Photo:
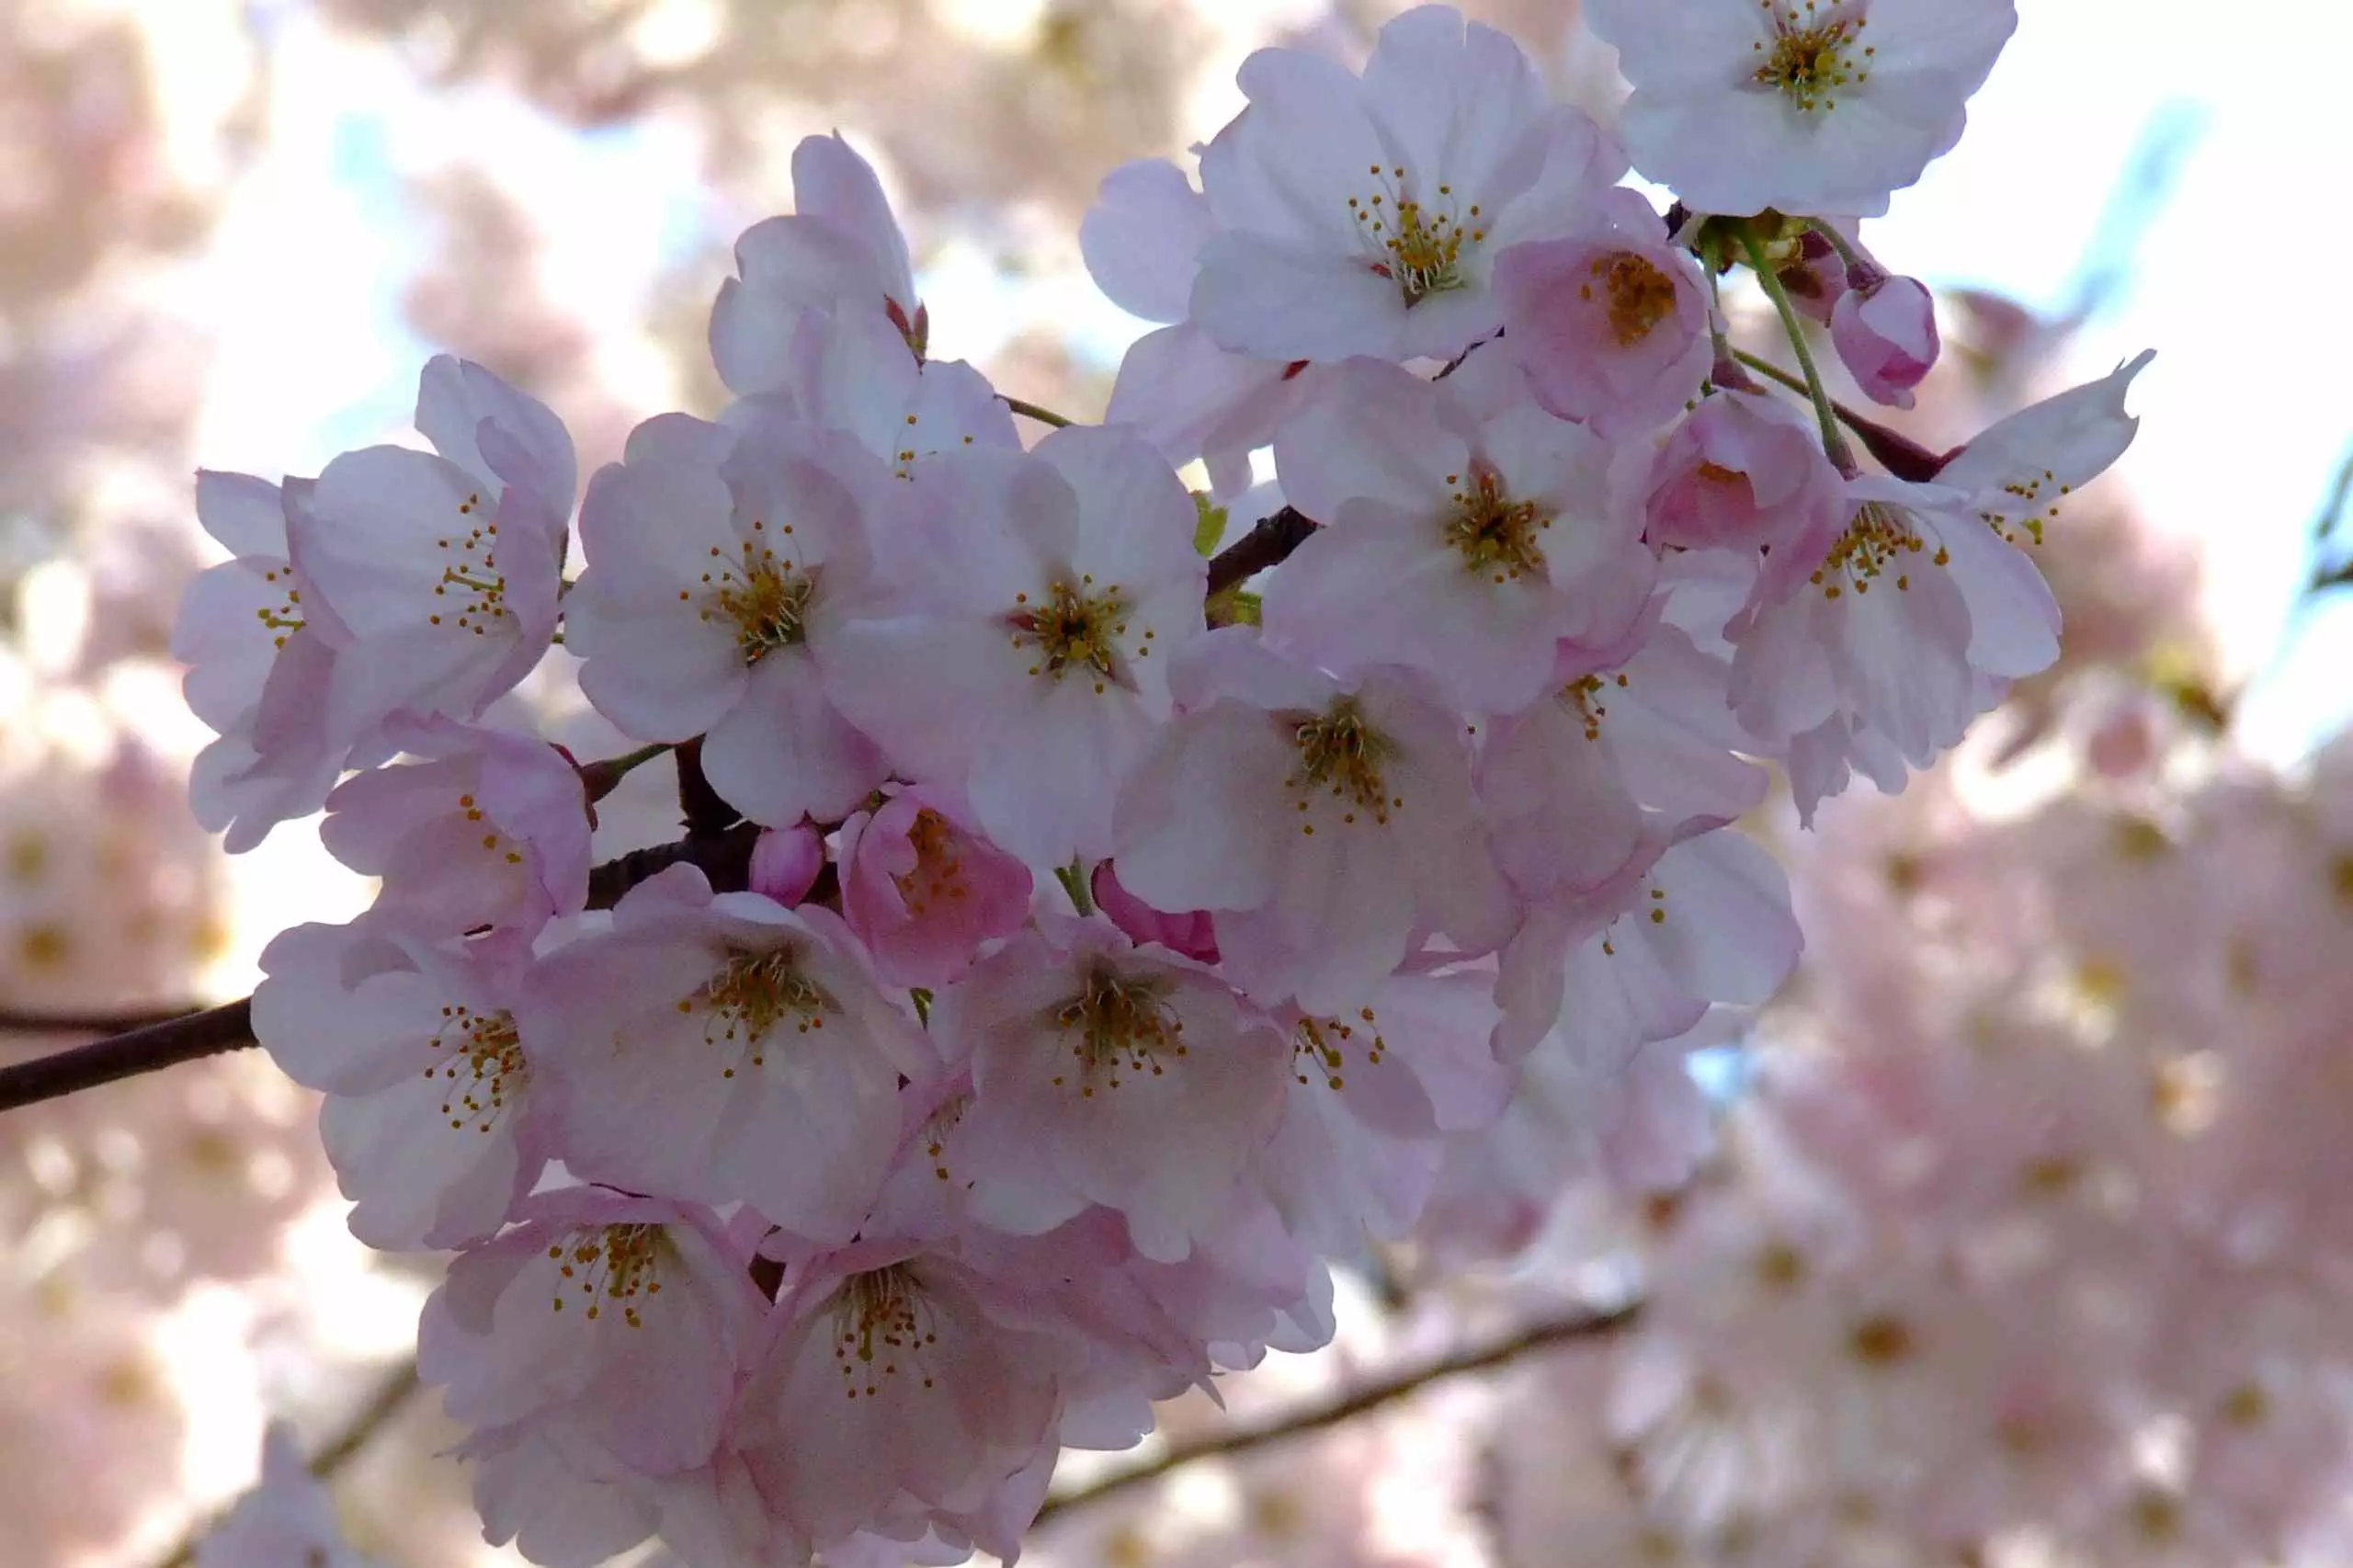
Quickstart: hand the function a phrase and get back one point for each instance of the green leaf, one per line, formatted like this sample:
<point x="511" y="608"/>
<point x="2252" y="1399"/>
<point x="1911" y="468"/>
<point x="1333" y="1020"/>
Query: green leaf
<point x="1208" y="524"/>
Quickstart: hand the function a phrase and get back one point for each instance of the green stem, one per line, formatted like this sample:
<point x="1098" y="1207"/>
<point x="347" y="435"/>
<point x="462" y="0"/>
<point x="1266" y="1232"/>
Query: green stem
<point x="1834" y="440"/>
<point x="1072" y="877"/>
<point x="1846" y="253"/>
<point x="1028" y="409"/>
<point x="601" y="778"/>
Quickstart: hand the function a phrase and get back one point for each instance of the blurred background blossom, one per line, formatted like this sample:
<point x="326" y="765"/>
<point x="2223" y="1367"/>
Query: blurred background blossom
<point x="230" y="235"/>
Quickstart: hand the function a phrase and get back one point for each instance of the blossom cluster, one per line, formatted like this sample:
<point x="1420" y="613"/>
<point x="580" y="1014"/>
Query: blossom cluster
<point x="1072" y="945"/>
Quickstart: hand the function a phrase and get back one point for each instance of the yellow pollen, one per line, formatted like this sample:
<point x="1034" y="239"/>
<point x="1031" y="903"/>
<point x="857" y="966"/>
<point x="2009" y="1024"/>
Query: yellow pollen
<point x="1076" y="630"/>
<point x="880" y="1320"/>
<point x="755" y="994"/>
<point x="1879" y="537"/>
<point x="1319" y="1047"/>
<point x="1415" y="245"/>
<point x="1497" y="534"/>
<point x="1340" y="752"/>
<point x="483" y="1067"/>
<point x="939" y="868"/>
<point x="1123" y="1025"/>
<point x="614" y="1264"/>
<point x="1641" y="296"/>
<point x="471" y="570"/>
<point x="765" y="594"/>
<point x="1812" y="57"/>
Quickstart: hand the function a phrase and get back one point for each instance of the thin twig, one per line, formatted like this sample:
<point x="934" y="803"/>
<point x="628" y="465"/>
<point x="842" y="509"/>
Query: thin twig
<point x="1330" y="1412"/>
<point x="226" y="1027"/>
<point x="1898" y="453"/>
<point x="392" y="1396"/>
<point x="1269" y="544"/>
<point x="27" y="1020"/>
<point x="1028" y="409"/>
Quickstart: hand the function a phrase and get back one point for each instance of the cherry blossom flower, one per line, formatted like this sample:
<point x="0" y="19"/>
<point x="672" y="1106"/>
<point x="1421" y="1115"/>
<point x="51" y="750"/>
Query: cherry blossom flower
<point x="922" y="891"/>
<point x="491" y="832"/>
<point x="613" y="1329"/>
<point x="1363" y="215"/>
<point x="843" y="372"/>
<point x="436" y="1116"/>
<point x="1104" y="1074"/>
<point x="1323" y="822"/>
<point x="722" y="1047"/>
<point x="719" y="568"/>
<point x="1801" y="108"/>
<point x="1468" y="533"/>
<point x="1191" y="932"/>
<point x="1745" y="472"/>
<point x="840" y="254"/>
<point x="1025" y="662"/>
<point x="1608" y="320"/>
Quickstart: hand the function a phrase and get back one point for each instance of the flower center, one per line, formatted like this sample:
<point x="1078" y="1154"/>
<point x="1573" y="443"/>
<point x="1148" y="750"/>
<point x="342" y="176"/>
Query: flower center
<point x="484" y="1068"/>
<point x="1122" y="1025"/>
<point x="1641" y="296"/>
<point x="1320" y="1045"/>
<point x="1879" y="537"/>
<point x="1074" y="628"/>
<point x="614" y="1264"/>
<point x="470" y="569"/>
<point x="751" y="996"/>
<point x="765" y="595"/>
<point x="1344" y="755"/>
<point x="1496" y="534"/>
<point x="939" y="866"/>
<point x="878" y="1318"/>
<point x="1812" y="56"/>
<point x="1584" y="696"/>
<point x="1416" y="245"/>
<point x="287" y="618"/>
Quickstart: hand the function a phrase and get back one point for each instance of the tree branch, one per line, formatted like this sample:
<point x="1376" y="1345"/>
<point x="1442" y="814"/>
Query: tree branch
<point x="185" y="1038"/>
<point x="1584" y="1326"/>
<point x="725" y="857"/>
<point x="26" y="1020"/>
<point x="1269" y="544"/>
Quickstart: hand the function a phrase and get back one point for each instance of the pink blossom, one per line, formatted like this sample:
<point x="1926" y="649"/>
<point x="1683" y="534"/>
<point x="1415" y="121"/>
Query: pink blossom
<point x="1326" y="822"/>
<point x="891" y="1396"/>
<point x="1468" y="533"/>
<point x="1745" y="472"/>
<point x="845" y="372"/>
<point x="840" y="254"/>
<point x="611" y="1328"/>
<point x="1609" y="321"/>
<point x="491" y="832"/>
<point x="1885" y="331"/>
<point x="786" y="861"/>
<point x="1130" y="1078"/>
<point x="1811" y="109"/>
<point x="722" y="1047"/>
<point x="923" y="892"/>
<point x="436" y="1118"/>
<point x="1025" y="662"/>
<point x="720" y="567"/>
<point x="1363" y="215"/>
<point x="1191" y="932"/>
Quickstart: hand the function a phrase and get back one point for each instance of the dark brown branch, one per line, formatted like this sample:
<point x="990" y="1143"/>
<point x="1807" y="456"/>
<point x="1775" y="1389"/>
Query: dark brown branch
<point x="1587" y="1325"/>
<point x="392" y="1396"/>
<point x="1269" y="544"/>
<point x="26" y="1020"/>
<point x="166" y="1044"/>
<point x="725" y="857"/>
<point x="704" y="813"/>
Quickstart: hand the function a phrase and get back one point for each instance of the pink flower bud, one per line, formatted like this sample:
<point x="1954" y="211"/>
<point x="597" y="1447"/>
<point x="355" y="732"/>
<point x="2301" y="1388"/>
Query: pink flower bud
<point x="1886" y="334"/>
<point x="923" y="892"/>
<point x="785" y="863"/>
<point x="1192" y="933"/>
<point x="1746" y="471"/>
